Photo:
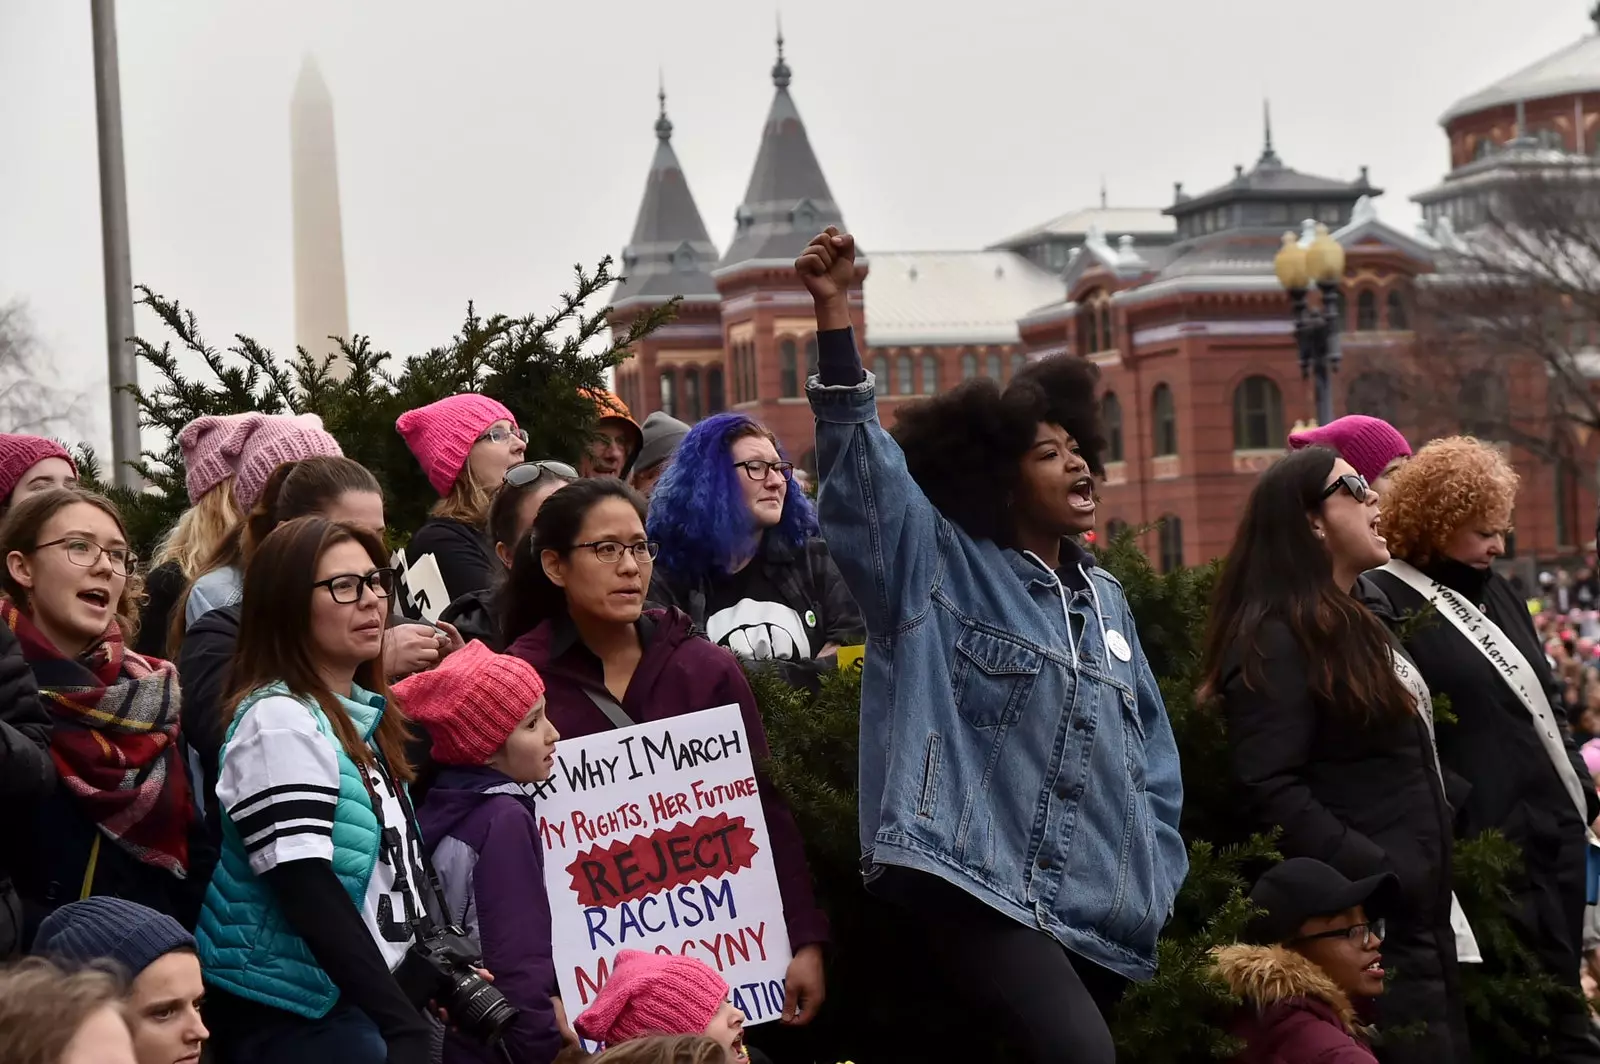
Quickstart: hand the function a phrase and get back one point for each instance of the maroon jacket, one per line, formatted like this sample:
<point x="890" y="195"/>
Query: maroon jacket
<point x="1292" y="1013"/>
<point x="679" y="673"/>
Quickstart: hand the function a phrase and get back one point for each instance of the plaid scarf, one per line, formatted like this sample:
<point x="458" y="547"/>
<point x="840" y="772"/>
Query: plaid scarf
<point x="114" y="739"/>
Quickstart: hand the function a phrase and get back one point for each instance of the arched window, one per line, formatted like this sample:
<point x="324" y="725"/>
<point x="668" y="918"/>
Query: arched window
<point x="1257" y="415"/>
<point x="1107" y="334"/>
<point x="1485" y="407"/>
<point x="1114" y="528"/>
<point x="1366" y="310"/>
<point x="930" y="375"/>
<point x="691" y="394"/>
<point x="716" y="401"/>
<point x="880" y="370"/>
<point x="969" y="365"/>
<point x="1091" y="320"/>
<point x="902" y="375"/>
<point x="1018" y="362"/>
<point x="811" y="356"/>
<point x="1164" y="421"/>
<point x="669" y="399"/>
<point x="991" y="366"/>
<point x="1111" y="415"/>
<point x="1375" y="394"/>
<point x="788" y="369"/>
<point x="1399" y="320"/>
<point x="1171" y="538"/>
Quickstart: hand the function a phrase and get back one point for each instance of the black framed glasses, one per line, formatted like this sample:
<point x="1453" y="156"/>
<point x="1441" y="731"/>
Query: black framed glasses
<point x="610" y="551"/>
<point x="756" y="469"/>
<point x="524" y="473"/>
<point x="346" y="587"/>
<point x="1362" y="935"/>
<point x="500" y="434"/>
<point x="86" y="552"/>
<point x="1354" y="483"/>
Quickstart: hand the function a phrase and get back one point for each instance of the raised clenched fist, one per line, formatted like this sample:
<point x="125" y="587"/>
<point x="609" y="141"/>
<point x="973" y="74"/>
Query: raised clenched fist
<point x="828" y="264"/>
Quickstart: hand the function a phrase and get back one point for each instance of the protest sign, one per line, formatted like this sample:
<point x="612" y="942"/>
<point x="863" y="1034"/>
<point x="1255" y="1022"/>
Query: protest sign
<point x="655" y="840"/>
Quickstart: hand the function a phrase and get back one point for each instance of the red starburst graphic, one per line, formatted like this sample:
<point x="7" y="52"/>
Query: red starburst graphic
<point x="669" y="857"/>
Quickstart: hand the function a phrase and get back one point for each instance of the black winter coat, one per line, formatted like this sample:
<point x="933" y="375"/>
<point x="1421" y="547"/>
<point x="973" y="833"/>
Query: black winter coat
<point x="27" y="776"/>
<point x="1365" y="798"/>
<point x="808" y="579"/>
<point x="476" y="615"/>
<point x="203" y="664"/>
<point x="1491" y="742"/>
<point x="464" y="555"/>
<point x="162" y="588"/>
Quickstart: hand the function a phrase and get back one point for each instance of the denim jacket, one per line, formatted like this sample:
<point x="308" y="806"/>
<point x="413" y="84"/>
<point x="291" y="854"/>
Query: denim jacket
<point x="1013" y="739"/>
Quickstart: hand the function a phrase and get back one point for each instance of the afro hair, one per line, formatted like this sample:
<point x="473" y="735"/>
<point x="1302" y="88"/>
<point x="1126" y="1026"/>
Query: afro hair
<point x="964" y="448"/>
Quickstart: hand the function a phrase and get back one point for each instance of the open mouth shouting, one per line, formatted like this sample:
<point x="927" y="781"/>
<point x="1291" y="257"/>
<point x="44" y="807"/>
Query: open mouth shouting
<point x="1082" y="494"/>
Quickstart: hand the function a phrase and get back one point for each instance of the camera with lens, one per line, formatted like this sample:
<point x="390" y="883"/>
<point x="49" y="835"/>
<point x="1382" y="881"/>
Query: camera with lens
<point x="475" y="1006"/>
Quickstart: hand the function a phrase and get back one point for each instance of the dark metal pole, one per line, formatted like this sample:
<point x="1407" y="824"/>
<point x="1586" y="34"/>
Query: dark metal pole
<point x="1324" y="390"/>
<point x="121" y="364"/>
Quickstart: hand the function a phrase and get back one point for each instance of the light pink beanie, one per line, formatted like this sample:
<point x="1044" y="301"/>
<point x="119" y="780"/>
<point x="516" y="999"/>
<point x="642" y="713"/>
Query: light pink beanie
<point x="441" y="434"/>
<point x="210" y="446"/>
<point x="265" y="444"/>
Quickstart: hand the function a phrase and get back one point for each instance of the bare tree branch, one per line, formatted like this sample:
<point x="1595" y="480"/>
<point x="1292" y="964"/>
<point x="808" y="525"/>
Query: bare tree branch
<point x="33" y="398"/>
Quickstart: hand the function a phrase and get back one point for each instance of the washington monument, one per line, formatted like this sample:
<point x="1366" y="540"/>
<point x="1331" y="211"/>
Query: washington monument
<point x="320" y="310"/>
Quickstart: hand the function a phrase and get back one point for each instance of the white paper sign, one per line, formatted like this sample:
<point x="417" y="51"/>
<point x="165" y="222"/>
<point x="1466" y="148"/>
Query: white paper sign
<point x="425" y="585"/>
<point x="655" y="840"/>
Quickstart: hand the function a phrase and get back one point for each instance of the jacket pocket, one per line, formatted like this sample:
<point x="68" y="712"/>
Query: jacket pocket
<point x="930" y="779"/>
<point x="993" y="677"/>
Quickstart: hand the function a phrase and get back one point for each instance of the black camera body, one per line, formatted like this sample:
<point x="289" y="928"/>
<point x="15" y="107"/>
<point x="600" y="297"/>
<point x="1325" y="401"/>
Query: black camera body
<point x="476" y="1008"/>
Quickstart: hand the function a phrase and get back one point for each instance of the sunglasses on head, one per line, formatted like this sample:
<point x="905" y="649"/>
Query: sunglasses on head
<point x="525" y="473"/>
<point x="1354" y="483"/>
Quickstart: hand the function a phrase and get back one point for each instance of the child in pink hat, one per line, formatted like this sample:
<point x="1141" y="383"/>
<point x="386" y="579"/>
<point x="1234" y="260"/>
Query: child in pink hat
<point x="31" y="464"/>
<point x="484" y="713"/>
<point x="651" y="994"/>
<point x="465" y="444"/>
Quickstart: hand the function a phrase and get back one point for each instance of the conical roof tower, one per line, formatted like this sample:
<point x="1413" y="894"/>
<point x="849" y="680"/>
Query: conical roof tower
<point x="670" y="253"/>
<point x="788" y="200"/>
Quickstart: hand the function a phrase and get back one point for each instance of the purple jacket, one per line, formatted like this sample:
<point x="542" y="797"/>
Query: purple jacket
<point x="479" y="830"/>
<point x="1292" y="1012"/>
<point x="679" y="673"/>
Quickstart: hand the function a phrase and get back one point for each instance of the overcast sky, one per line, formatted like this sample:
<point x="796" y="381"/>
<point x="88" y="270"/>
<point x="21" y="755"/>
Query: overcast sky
<point x="486" y="147"/>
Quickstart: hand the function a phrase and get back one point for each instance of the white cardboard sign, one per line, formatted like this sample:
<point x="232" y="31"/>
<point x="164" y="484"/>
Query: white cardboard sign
<point x="425" y="586"/>
<point x="655" y="840"/>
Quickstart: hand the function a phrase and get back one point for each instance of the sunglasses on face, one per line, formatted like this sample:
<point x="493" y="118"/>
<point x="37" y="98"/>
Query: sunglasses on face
<point x="1354" y="483"/>
<point x="525" y="473"/>
<point x="346" y="587"/>
<point x="500" y="434"/>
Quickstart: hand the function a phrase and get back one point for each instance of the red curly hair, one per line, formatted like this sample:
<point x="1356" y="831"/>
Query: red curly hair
<point x="1443" y="488"/>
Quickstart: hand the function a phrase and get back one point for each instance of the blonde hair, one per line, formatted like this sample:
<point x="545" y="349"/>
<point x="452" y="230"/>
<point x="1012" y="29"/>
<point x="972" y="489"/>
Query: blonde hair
<point x="42" y="1007"/>
<point x="468" y="501"/>
<point x="665" y="1049"/>
<point x="198" y="532"/>
<point x="1445" y="486"/>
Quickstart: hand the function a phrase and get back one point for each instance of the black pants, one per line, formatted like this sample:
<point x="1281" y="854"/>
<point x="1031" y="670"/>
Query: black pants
<point x="1013" y="977"/>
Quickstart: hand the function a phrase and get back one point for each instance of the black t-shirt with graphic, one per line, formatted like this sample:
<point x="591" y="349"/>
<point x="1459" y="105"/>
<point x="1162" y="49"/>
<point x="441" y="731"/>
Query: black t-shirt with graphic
<point x="747" y="614"/>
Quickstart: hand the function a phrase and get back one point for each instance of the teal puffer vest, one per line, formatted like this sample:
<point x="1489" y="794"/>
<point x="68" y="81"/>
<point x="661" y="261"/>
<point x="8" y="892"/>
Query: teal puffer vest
<point x="247" y="948"/>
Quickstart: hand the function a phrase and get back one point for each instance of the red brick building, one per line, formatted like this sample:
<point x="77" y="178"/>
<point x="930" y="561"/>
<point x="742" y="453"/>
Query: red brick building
<point x="1179" y="307"/>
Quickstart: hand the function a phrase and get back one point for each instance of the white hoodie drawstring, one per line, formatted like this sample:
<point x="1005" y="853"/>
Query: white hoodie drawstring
<point x="1066" y="613"/>
<point x="1100" y="617"/>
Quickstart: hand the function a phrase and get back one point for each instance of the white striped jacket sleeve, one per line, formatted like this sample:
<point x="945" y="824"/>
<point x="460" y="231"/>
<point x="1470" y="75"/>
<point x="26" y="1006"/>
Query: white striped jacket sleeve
<point x="279" y="785"/>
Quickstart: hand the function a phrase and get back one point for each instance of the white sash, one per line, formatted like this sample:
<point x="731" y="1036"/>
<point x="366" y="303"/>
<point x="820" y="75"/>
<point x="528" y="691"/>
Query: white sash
<point x="1467" y="951"/>
<point x="1487" y="638"/>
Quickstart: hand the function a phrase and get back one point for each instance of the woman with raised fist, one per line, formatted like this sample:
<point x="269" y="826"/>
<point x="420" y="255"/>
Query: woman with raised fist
<point x="1019" y="780"/>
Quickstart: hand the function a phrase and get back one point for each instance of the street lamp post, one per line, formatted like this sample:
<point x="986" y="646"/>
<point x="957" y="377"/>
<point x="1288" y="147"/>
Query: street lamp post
<point x="1315" y="258"/>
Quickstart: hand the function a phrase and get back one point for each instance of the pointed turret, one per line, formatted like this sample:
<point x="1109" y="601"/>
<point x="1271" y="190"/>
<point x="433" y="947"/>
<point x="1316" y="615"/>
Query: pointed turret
<point x="670" y="253"/>
<point x="788" y="200"/>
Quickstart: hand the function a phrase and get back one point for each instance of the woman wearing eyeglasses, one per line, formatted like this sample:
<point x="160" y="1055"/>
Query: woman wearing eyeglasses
<point x="121" y="819"/>
<point x="740" y="553"/>
<point x="309" y="919"/>
<point x="1330" y="725"/>
<point x="465" y="444"/>
<point x="525" y="487"/>
<point x="574" y="609"/>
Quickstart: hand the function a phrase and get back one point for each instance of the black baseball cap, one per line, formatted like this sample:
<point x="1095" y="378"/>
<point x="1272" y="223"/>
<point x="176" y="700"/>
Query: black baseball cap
<point x="1302" y="888"/>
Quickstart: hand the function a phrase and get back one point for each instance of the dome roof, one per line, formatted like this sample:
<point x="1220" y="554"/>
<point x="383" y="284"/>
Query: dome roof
<point x="1574" y="69"/>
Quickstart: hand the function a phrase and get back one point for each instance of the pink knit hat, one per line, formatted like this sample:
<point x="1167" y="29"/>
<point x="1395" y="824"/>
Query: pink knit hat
<point x="18" y="454"/>
<point x="210" y="447"/>
<point x="649" y="994"/>
<point x="264" y="442"/>
<point x="471" y="702"/>
<point x="1369" y="444"/>
<point x="441" y="434"/>
<point x="1591" y="756"/>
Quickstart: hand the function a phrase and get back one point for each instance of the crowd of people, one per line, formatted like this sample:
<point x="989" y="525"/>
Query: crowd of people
<point x="258" y="788"/>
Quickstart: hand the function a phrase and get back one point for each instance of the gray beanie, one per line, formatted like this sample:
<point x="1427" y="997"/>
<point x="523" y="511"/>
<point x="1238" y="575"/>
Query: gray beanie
<point x="662" y="434"/>
<point x="106" y="928"/>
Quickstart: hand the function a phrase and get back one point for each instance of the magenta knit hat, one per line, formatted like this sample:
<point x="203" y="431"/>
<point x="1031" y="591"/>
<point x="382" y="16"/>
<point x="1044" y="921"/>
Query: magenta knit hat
<point x="18" y="454"/>
<point x="441" y="434"/>
<point x="1369" y="444"/>
<point x="210" y="446"/>
<point x="649" y="994"/>
<point x="471" y="702"/>
<point x="1591" y="756"/>
<point x="264" y="442"/>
